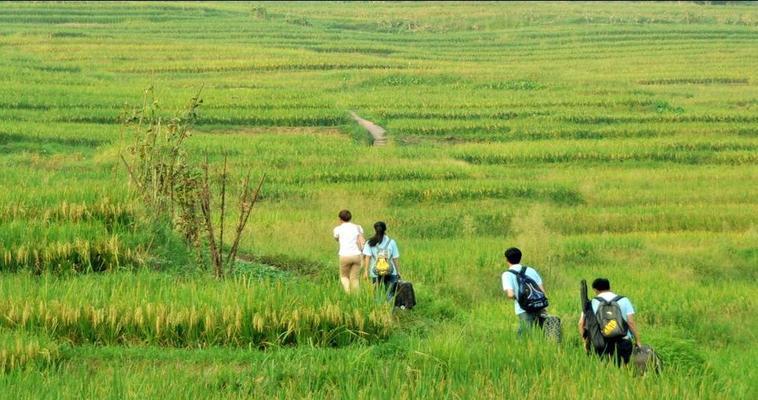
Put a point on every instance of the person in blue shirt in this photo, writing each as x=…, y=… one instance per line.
x=510, y=287
x=619, y=349
x=381, y=245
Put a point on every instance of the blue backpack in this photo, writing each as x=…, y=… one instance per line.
x=530, y=297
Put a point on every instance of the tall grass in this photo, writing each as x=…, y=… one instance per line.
x=240, y=312
x=21, y=350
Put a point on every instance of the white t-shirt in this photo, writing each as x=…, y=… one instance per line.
x=347, y=234
x=510, y=282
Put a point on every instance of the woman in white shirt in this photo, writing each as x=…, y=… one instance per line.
x=350, y=238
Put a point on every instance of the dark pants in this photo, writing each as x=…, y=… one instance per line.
x=387, y=284
x=530, y=320
x=620, y=350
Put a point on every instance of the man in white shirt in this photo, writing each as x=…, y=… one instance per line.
x=350, y=238
x=511, y=289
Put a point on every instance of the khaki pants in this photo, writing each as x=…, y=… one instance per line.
x=350, y=270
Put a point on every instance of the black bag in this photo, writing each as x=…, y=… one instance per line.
x=405, y=297
x=530, y=297
x=593, y=338
x=644, y=360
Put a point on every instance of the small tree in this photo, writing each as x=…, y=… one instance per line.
x=171, y=188
x=158, y=164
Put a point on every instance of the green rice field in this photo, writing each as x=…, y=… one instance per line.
x=615, y=140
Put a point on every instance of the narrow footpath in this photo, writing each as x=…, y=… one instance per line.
x=376, y=131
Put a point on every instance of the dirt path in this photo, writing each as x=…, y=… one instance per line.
x=376, y=131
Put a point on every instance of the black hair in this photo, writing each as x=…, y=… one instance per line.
x=345, y=215
x=601, y=284
x=380, y=228
x=513, y=255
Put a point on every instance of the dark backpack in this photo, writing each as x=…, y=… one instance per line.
x=610, y=318
x=529, y=295
x=405, y=297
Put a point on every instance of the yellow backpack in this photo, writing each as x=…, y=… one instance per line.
x=383, y=267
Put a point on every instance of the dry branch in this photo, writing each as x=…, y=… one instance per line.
x=223, y=213
x=246, y=206
x=205, y=206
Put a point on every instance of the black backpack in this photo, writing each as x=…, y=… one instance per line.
x=530, y=297
x=405, y=297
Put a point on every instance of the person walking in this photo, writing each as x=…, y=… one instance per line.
x=615, y=317
x=351, y=241
x=524, y=285
x=381, y=259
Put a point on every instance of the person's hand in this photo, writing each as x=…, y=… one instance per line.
x=639, y=344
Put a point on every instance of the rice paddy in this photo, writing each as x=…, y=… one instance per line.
x=603, y=139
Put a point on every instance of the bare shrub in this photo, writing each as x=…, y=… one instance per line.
x=172, y=188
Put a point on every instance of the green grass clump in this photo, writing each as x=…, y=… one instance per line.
x=20, y=350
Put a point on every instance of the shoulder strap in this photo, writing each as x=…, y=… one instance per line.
x=523, y=270
x=616, y=299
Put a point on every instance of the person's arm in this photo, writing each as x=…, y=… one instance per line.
x=361, y=241
x=581, y=325
x=585, y=342
x=507, y=286
x=633, y=328
x=538, y=280
x=395, y=254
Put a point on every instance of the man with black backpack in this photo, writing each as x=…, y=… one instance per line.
x=524, y=285
x=615, y=329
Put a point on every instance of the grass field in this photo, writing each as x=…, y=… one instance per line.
x=616, y=140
